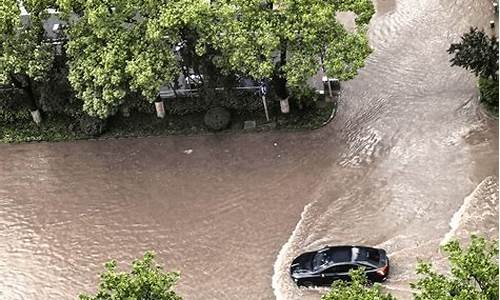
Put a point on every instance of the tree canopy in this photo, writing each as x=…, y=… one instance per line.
x=473, y=275
x=476, y=52
x=119, y=46
x=26, y=53
x=146, y=280
x=116, y=47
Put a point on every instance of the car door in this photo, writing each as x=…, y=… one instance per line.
x=343, y=271
x=328, y=276
x=338, y=272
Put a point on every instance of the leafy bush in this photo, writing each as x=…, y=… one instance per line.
x=146, y=280
x=474, y=273
x=12, y=106
x=489, y=93
x=233, y=100
x=476, y=52
x=182, y=106
x=56, y=94
x=217, y=118
x=91, y=126
x=241, y=100
x=303, y=98
x=357, y=289
x=53, y=128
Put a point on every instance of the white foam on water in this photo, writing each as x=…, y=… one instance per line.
x=455, y=137
x=278, y=284
x=455, y=220
x=464, y=212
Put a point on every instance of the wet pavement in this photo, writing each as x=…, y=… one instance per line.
x=408, y=163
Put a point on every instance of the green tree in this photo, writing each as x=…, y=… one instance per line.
x=146, y=280
x=489, y=93
x=476, y=52
x=290, y=40
x=356, y=289
x=26, y=52
x=473, y=275
x=116, y=47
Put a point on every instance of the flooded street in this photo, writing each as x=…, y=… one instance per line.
x=408, y=163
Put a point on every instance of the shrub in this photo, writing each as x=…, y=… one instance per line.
x=489, y=93
x=241, y=100
x=146, y=280
x=474, y=273
x=217, y=118
x=55, y=92
x=12, y=106
x=303, y=98
x=182, y=106
x=357, y=289
x=476, y=52
x=91, y=126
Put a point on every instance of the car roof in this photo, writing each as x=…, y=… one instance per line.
x=345, y=254
x=339, y=254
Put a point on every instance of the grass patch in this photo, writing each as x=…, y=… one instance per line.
x=53, y=128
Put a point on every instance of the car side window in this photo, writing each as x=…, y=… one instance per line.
x=367, y=267
x=340, y=269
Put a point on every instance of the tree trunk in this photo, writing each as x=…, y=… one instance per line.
x=160, y=107
x=280, y=81
x=30, y=97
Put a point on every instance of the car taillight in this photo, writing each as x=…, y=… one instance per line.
x=383, y=271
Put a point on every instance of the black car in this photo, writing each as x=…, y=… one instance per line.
x=322, y=267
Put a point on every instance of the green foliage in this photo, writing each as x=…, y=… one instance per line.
x=181, y=106
x=489, y=93
x=356, y=289
x=241, y=100
x=304, y=94
x=476, y=52
x=24, y=48
x=55, y=128
x=316, y=39
x=12, y=106
x=245, y=37
x=146, y=280
x=217, y=118
x=250, y=33
x=91, y=126
x=473, y=276
x=56, y=94
x=117, y=47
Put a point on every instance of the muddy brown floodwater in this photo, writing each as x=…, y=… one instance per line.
x=408, y=163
